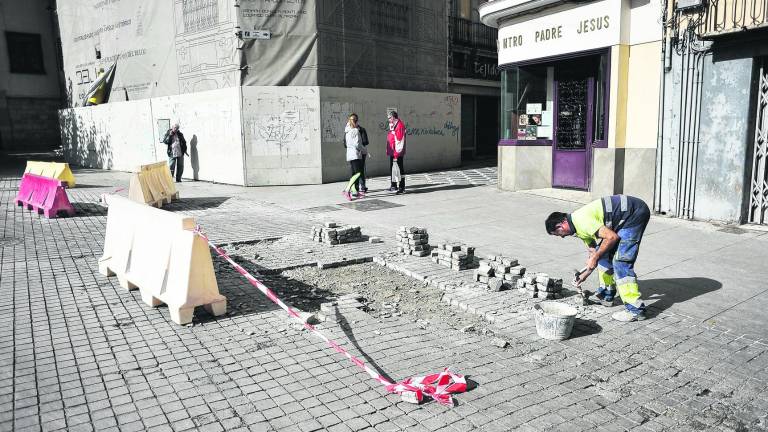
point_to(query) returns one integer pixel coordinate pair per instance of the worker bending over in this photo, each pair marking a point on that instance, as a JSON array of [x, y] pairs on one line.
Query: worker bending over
[[619, 222]]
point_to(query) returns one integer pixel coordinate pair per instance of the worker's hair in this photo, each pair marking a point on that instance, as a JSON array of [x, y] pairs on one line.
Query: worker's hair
[[553, 220]]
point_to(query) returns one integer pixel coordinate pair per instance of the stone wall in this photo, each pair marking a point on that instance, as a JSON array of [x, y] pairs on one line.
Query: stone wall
[[32, 124]]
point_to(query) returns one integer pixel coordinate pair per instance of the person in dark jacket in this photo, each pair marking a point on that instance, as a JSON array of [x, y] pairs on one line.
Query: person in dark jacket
[[364, 154], [177, 148]]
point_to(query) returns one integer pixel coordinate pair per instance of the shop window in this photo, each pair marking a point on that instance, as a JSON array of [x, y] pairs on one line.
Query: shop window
[[601, 90], [526, 106], [25, 53]]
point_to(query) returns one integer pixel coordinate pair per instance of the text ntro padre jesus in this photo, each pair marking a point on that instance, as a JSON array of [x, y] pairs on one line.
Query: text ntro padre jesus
[[584, 26]]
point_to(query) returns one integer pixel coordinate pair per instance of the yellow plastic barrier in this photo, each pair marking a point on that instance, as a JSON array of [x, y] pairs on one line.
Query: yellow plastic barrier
[[152, 184], [158, 252], [57, 170]]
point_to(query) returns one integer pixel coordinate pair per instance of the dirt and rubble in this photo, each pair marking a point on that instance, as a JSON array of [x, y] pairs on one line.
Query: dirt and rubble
[[386, 294], [389, 294]]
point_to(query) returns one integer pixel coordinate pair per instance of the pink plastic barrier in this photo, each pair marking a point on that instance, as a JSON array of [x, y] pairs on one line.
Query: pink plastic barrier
[[45, 195]]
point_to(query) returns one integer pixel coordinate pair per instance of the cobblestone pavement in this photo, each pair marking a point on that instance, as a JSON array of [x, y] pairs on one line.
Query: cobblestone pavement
[[78, 352]]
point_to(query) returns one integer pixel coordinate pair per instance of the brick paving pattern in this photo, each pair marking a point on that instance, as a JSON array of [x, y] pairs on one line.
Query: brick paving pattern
[[78, 352]]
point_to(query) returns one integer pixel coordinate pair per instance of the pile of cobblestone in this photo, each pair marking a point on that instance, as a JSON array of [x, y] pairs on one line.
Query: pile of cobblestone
[[456, 256], [413, 241], [499, 272], [333, 234], [540, 285]]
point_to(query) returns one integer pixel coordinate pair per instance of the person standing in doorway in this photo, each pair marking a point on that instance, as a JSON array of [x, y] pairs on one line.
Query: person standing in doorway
[[354, 145], [177, 148], [396, 151]]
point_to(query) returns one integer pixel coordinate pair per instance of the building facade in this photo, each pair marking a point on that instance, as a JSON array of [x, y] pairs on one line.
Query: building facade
[[30, 86], [714, 139], [263, 87], [580, 94], [473, 73]]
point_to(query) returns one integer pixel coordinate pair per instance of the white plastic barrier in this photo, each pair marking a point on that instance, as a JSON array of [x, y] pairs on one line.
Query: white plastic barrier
[[158, 252], [152, 184]]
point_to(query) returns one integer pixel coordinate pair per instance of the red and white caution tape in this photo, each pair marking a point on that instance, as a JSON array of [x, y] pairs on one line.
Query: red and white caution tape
[[438, 386]]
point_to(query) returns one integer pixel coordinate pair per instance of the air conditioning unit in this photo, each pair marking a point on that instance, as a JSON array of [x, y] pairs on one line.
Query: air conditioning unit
[[689, 4]]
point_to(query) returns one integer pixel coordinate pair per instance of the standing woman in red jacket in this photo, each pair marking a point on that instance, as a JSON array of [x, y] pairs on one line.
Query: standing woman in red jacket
[[396, 150]]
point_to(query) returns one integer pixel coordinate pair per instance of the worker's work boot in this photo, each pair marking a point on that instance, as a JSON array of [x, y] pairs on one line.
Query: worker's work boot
[[627, 316], [604, 297]]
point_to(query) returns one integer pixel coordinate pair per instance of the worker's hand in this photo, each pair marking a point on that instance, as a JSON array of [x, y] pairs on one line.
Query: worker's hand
[[582, 277], [592, 261]]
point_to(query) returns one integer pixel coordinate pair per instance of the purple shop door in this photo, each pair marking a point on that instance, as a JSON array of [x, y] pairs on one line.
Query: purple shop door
[[572, 143]]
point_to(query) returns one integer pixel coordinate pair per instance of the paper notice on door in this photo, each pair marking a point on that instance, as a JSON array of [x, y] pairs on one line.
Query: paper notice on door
[[546, 118], [533, 108], [544, 132]]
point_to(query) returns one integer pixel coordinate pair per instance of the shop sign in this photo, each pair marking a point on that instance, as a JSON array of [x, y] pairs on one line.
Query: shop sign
[[582, 28]]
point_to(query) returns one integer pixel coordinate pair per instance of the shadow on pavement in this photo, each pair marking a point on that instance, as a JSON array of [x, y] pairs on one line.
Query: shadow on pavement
[[86, 209], [347, 328], [91, 186], [584, 327], [666, 292], [245, 299], [419, 189], [197, 203]]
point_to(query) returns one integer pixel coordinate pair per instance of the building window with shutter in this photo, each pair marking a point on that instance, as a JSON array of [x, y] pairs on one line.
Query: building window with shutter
[[25, 53]]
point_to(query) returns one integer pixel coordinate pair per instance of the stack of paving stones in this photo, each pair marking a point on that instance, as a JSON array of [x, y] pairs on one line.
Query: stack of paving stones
[[413, 241], [540, 285], [499, 272], [456, 256], [334, 234]]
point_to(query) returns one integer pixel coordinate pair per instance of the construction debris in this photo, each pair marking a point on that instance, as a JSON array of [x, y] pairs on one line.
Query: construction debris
[[413, 241], [499, 272], [334, 234], [499, 342], [540, 285], [456, 256]]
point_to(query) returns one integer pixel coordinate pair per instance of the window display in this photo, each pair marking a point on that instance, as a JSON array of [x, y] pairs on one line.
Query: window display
[[525, 108]]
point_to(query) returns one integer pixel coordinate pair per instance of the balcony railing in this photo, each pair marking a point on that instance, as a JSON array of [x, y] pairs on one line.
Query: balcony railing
[[473, 35], [713, 18], [728, 16]]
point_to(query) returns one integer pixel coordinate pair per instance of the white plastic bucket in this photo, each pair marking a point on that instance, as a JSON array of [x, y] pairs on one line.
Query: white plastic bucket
[[554, 320]]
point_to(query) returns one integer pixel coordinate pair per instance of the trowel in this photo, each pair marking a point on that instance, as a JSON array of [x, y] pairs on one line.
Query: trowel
[[584, 294]]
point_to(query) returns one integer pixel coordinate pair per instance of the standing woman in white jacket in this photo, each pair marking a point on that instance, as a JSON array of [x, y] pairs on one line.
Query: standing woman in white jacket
[[354, 144]]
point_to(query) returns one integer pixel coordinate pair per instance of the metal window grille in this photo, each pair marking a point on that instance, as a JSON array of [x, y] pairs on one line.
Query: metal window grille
[[758, 197]]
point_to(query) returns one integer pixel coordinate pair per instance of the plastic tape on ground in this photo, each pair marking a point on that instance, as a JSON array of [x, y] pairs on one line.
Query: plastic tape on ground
[[438, 386]]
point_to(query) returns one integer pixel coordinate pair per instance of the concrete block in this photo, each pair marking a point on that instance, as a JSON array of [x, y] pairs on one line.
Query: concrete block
[[500, 343], [509, 262], [495, 284], [483, 279], [517, 270], [375, 239], [484, 270], [331, 225]]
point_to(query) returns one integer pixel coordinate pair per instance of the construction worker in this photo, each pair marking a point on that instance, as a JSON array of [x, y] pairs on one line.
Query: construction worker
[[619, 222]]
